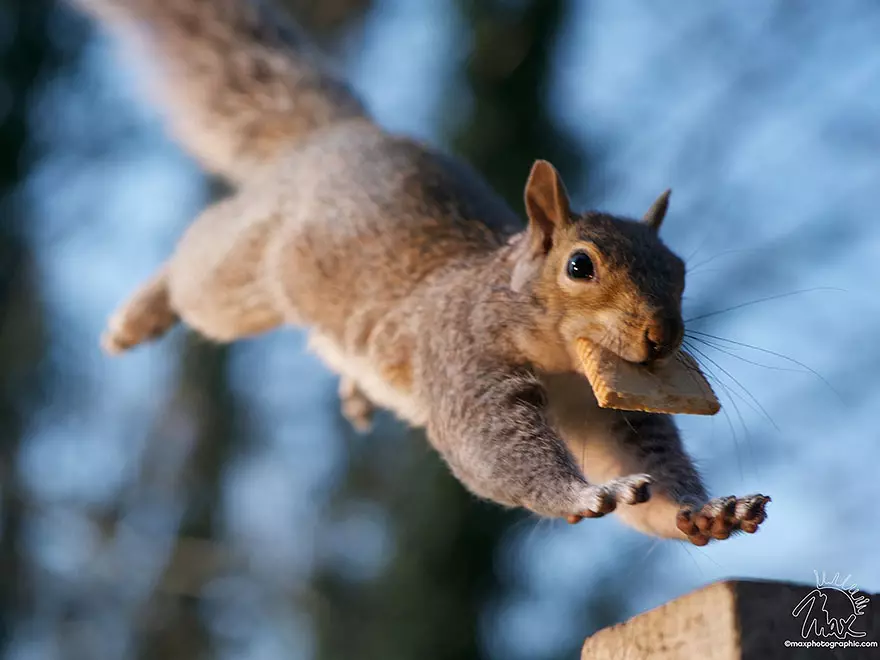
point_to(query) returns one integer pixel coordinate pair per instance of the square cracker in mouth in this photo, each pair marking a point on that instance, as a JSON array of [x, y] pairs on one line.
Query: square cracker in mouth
[[674, 386]]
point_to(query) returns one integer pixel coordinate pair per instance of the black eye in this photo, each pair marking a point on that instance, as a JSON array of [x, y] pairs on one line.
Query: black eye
[[580, 266]]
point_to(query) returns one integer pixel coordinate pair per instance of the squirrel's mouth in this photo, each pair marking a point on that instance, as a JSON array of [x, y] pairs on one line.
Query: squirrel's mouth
[[590, 351], [660, 342], [622, 350], [646, 355]]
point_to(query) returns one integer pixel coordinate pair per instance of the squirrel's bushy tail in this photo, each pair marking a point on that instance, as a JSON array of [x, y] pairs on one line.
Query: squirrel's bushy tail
[[239, 82]]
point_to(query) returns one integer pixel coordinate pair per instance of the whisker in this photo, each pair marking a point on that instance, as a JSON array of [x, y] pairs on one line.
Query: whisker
[[727, 417], [536, 529], [720, 349], [688, 552], [761, 300], [700, 245], [774, 353], [532, 523], [749, 445], [637, 566], [740, 385], [706, 555], [693, 372], [733, 395], [625, 418], [724, 253], [705, 271]]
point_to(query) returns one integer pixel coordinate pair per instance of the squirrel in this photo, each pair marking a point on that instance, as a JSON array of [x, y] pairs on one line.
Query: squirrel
[[415, 281]]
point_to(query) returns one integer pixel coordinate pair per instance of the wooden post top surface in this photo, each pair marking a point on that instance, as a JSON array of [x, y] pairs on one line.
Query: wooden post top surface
[[748, 620]]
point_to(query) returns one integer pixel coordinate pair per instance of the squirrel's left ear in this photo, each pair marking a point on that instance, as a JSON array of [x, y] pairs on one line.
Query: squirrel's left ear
[[654, 217], [547, 204]]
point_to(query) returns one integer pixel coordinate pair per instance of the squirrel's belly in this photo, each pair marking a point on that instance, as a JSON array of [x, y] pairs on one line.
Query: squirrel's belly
[[587, 429], [381, 390]]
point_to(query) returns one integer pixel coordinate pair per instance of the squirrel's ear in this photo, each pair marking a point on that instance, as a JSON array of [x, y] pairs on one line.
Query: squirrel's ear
[[547, 204], [654, 217]]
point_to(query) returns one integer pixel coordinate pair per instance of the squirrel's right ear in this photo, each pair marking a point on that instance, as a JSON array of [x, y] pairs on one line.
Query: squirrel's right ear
[[654, 217], [547, 204]]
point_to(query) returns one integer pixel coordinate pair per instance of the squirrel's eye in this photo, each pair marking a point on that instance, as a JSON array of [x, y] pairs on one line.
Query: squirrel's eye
[[580, 266]]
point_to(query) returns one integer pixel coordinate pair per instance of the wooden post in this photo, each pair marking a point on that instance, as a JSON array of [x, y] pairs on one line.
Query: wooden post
[[747, 620]]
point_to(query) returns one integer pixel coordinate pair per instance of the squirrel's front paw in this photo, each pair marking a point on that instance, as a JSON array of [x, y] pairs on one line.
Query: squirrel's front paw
[[356, 406], [720, 517], [603, 499]]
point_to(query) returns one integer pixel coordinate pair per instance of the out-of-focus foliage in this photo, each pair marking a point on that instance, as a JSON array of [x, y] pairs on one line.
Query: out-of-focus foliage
[[190, 500], [322, 16]]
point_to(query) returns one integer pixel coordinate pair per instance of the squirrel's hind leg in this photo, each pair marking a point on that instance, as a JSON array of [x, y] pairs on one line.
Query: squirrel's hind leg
[[147, 315], [215, 282], [217, 278]]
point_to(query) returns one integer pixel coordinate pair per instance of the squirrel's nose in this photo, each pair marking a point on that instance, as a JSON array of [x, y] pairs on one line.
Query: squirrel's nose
[[663, 337]]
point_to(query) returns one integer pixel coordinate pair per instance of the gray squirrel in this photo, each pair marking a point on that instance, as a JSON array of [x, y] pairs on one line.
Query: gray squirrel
[[416, 283]]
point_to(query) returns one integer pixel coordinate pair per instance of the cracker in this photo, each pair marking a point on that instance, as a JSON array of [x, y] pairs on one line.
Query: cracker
[[675, 386]]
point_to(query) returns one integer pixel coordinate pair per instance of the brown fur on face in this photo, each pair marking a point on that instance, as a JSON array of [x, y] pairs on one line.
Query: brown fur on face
[[632, 303]]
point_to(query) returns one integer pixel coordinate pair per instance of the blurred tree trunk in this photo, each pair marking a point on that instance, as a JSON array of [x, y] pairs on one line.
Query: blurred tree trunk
[[204, 396], [323, 17], [509, 72], [26, 55]]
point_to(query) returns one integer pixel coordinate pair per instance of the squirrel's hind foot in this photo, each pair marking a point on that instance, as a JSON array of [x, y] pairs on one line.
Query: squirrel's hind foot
[[356, 406], [721, 517], [633, 489], [147, 315]]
